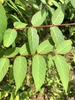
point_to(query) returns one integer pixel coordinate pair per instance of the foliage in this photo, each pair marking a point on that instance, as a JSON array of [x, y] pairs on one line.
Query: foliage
[[28, 50]]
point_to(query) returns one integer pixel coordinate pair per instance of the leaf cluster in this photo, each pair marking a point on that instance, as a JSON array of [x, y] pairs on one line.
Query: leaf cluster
[[26, 54]]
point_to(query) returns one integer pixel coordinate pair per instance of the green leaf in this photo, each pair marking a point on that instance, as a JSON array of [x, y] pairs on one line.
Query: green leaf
[[44, 47], [55, 3], [9, 37], [19, 25], [57, 35], [2, 1], [51, 10], [19, 70], [44, 1], [4, 65], [11, 52], [33, 40], [38, 18], [64, 47], [3, 22], [58, 15], [38, 71], [3, 94], [66, 1], [63, 70], [24, 49], [14, 17], [11, 97], [62, 1], [73, 3]]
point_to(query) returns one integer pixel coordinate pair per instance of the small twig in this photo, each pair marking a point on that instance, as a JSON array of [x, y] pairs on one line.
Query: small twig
[[27, 55], [30, 55], [46, 26]]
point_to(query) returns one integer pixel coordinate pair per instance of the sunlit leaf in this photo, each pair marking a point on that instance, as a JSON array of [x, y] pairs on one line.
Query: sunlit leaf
[[58, 15], [19, 25], [57, 35], [38, 71], [44, 47], [55, 3], [19, 70], [44, 1], [4, 65], [63, 70], [64, 47], [73, 3], [9, 37], [17, 97], [3, 21], [33, 40], [38, 18], [2, 1], [24, 49], [11, 97]]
